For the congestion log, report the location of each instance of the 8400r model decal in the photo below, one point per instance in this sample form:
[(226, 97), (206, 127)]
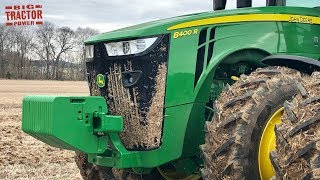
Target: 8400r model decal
[(249, 18), (185, 33)]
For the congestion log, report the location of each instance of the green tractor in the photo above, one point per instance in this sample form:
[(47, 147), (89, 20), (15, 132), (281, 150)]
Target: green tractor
[(228, 94)]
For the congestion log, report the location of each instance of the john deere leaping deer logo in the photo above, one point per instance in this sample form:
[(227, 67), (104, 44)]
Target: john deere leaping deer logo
[(100, 80)]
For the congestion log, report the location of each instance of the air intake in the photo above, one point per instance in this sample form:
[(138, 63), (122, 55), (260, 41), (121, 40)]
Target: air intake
[(205, 51)]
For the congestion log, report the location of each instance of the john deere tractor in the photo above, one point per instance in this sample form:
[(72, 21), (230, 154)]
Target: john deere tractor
[(227, 94)]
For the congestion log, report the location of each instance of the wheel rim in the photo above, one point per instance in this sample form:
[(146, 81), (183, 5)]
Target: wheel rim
[(171, 175), (268, 144)]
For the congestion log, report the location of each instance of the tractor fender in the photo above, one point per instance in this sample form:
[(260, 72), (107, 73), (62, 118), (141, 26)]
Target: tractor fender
[(299, 63)]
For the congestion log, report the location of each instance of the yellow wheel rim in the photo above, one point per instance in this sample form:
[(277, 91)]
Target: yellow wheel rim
[(171, 175), (268, 144)]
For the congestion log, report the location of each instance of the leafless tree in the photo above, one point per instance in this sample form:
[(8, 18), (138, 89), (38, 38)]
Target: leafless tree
[(23, 42), (43, 52), (82, 34), (45, 36), (4, 33), (64, 42)]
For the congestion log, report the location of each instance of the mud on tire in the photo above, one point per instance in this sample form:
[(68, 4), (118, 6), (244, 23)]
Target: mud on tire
[(298, 145), (90, 171), (233, 135)]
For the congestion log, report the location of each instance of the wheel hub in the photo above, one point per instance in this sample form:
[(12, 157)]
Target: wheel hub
[(268, 144)]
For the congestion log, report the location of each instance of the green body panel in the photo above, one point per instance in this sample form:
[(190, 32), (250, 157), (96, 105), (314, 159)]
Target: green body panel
[(237, 47), (265, 39)]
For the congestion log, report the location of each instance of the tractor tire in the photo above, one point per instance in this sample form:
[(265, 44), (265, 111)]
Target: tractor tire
[(243, 109), (90, 171), (298, 146)]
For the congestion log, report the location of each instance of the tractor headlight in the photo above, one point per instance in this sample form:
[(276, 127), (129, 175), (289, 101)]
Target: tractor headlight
[(129, 47), (89, 51)]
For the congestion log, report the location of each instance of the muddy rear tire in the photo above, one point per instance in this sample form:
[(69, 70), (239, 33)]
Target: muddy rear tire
[(233, 135), (298, 145)]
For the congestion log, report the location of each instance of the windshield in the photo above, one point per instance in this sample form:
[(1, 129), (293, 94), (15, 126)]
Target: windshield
[(303, 3)]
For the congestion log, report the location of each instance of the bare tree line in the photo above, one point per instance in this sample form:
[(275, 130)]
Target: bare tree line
[(43, 52)]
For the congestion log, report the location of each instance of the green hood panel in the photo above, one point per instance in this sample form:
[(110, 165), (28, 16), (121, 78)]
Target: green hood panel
[(161, 26)]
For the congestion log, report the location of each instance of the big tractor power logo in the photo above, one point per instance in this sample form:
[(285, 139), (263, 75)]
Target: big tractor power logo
[(20, 15)]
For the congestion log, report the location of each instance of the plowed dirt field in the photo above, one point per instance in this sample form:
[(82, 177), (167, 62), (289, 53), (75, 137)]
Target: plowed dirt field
[(22, 156)]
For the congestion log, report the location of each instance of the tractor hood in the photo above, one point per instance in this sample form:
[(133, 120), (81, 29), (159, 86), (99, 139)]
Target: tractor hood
[(167, 25)]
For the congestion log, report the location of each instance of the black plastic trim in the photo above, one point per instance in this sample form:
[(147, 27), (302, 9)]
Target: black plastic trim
[(300, 63), (131, 78), (211, 45), (199, 64)]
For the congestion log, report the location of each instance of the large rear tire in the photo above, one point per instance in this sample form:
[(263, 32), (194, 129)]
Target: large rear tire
[(233, 136), (298, 145)]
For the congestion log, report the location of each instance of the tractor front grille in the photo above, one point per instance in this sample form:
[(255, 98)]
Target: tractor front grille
[(140, 105)]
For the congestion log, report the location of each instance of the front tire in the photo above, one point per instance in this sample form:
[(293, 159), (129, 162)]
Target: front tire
[(298, 146), (233, 136), (91, 171)]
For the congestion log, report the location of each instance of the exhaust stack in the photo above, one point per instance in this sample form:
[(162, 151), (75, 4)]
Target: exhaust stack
[(221, 4), (276, 2), (244, 3)]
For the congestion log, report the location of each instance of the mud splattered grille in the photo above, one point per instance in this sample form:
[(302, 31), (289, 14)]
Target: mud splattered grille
[(142, 104)]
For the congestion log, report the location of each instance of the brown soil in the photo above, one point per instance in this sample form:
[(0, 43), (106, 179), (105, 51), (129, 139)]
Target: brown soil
[(22, 156)]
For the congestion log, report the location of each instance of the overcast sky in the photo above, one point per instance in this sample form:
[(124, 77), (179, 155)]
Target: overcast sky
[(106, 15)]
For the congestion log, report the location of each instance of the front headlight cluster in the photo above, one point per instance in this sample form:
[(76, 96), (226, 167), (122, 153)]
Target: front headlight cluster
[(129, 47)]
